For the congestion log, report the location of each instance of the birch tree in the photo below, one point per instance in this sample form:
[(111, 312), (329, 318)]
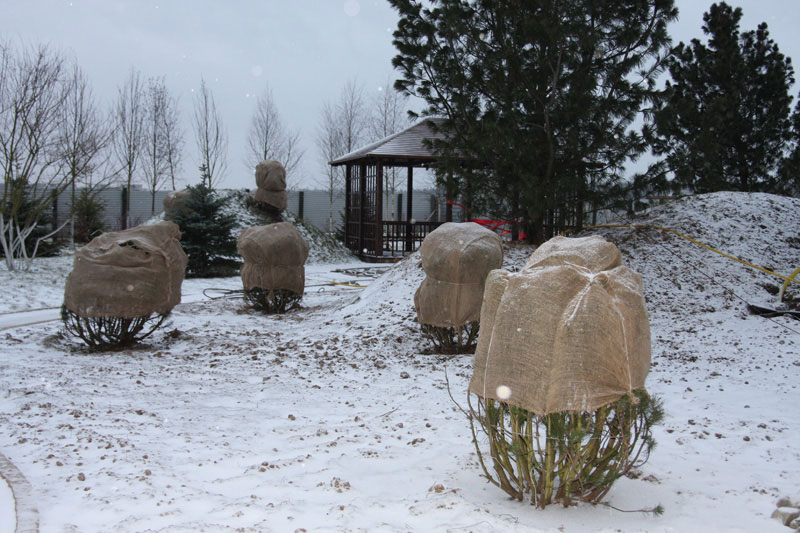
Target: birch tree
[(211, 137), (83, 138), (155, 150), (129, 133), (32, 93), (342, 128), (268, 137), (389, 115), (173, 139)]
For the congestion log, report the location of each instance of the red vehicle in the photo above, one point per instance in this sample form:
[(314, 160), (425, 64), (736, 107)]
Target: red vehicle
[(501, 227)]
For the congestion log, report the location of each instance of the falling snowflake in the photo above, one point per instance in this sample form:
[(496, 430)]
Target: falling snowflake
[(503, 392)]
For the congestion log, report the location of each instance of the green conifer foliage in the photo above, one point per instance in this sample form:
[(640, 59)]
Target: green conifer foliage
[(563, 457), (540, 95), (206, 233), (789, 181), (88, 213), (724, 122)]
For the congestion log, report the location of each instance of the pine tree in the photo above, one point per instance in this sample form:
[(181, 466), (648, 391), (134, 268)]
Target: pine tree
[(789, 174), (539, 95), (724, 121), (206, 232), (88, 213)]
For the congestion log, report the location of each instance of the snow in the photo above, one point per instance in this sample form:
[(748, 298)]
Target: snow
[(8, 520), (228, 420)]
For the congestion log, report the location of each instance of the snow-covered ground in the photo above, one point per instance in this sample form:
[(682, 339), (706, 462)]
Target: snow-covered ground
[(335, 418), (8, 520)]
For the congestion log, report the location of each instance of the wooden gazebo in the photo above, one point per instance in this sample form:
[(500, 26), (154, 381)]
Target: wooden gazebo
[(365, 231)]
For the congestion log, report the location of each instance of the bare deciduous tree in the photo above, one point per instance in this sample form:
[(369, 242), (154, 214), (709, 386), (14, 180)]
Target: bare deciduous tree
[(173, 138), (342, 128), (211, 138), (329, 144), (32, 91), (129, 133), (155, 149), (389, 115), (352, 115), (83, 137), (269, 139)]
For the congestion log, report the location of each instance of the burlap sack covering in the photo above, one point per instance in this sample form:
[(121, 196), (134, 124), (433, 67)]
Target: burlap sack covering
[(176, 200), (127, 274), (456, 259), (271, 183), (274, 257), (567, 333)]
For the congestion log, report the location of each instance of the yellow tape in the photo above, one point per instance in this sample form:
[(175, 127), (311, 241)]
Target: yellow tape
[(641, 226), (786, 284), (347, 284)]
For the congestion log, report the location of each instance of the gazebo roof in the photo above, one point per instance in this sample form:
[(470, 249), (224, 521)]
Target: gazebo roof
[(403, 148)]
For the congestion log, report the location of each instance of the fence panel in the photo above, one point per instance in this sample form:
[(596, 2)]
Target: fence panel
[(316, 207)]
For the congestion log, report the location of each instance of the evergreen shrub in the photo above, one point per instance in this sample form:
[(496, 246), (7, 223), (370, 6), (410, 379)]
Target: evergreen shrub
[(206, 234), (564, 457)]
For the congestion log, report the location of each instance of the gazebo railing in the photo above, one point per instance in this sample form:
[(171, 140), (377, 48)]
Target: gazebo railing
[(404, 237)]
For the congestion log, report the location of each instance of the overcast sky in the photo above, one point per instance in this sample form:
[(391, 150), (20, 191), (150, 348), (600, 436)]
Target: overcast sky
[(304, 50)]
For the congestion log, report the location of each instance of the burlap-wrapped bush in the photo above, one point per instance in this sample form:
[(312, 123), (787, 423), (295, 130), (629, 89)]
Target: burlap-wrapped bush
[(569, 332), (176, 201), (559, 372), (456, 259), (121, 280), (271, 183), (274, 264)]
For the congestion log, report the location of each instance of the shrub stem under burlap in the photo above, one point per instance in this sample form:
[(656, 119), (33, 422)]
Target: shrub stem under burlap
[(452, 340), (104, 333), (564, 457), (276, 301)]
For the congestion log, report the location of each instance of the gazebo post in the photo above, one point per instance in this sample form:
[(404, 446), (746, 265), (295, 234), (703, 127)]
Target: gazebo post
[(379, 210), (409, 203), (362, 192), (347, 203), (362, 224)]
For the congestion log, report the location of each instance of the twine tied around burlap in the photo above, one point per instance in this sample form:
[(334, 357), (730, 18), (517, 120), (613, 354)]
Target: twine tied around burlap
[(569, 332), (127, 274), (271, 183), (456, 258), (274, 257)]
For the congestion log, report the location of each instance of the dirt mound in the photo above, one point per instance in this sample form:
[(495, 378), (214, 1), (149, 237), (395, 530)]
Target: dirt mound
[(683, 278)]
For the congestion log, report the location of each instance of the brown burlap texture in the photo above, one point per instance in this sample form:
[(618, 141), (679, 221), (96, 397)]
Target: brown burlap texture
[(456, 259), (127, 274), (176, 200), (274, 257), (567, 333), (271, 183)]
